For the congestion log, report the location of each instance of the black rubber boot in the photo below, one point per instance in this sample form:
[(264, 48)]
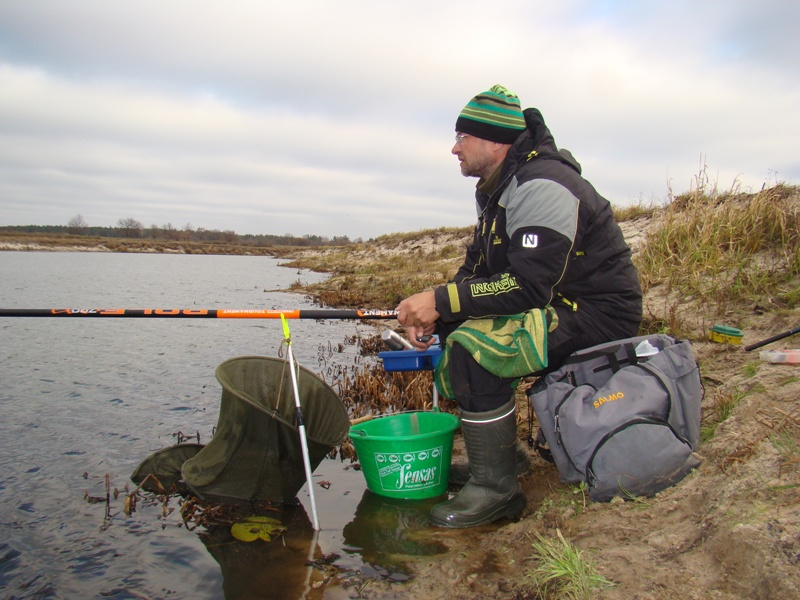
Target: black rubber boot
[(459, 472), (492, 491)]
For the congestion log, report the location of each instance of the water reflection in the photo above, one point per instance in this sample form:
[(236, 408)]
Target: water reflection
[(388, 532), (275, 569)]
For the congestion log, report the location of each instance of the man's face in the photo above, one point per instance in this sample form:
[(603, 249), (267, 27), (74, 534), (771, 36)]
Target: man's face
[(475, 155)]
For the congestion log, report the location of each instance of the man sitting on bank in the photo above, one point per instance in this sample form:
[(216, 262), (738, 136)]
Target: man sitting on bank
[(546, 254)]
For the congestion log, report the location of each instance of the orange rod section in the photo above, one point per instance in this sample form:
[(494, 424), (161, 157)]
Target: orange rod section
[(257, 313)]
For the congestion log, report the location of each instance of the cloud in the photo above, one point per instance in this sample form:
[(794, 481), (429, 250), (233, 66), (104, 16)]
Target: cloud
[(337, 118)]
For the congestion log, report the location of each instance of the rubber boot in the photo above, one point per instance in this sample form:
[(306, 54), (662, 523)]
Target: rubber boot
[(492, 491), (459, 472)]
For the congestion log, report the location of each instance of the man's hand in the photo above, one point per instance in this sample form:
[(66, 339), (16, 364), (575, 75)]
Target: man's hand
[(420, 338), (418, 314)]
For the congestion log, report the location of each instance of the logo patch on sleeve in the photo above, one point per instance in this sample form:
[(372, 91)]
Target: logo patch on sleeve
[(505, 284), (530, 240)]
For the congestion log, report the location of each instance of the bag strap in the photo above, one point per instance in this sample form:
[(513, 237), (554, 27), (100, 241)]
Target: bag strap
[(610, 354), (542, 447)]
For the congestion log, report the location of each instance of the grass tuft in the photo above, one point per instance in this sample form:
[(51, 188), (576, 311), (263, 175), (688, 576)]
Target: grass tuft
[(718, 409), (561, 570), (632, 212)]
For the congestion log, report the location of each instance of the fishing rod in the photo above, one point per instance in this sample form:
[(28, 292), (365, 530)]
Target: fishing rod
[(200, 313), (774, 338)]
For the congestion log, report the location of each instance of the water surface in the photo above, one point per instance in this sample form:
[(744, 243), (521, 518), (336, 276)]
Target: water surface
[(84, 401)]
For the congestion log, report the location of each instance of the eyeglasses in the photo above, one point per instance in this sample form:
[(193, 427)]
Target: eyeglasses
[(460, 138)]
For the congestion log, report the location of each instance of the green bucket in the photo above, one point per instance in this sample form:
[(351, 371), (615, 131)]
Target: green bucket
[(406, 455)]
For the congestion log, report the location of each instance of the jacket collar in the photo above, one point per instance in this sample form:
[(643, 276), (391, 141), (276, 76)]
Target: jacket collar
[(536, 142)]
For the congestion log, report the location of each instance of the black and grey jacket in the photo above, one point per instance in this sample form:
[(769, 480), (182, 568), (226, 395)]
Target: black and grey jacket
[(544, 237)]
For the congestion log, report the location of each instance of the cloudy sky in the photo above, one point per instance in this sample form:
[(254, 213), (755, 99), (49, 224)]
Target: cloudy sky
[(337, 117)]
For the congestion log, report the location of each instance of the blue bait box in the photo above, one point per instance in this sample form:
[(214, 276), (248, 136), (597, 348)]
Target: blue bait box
[(411, 360)]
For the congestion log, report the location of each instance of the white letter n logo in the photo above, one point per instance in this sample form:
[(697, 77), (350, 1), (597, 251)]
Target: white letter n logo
[(530, 240)]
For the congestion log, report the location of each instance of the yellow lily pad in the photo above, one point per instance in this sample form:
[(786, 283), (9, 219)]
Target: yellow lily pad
[(265, 528)]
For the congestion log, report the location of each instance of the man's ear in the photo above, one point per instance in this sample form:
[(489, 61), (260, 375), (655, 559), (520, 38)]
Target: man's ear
[(500, 149)]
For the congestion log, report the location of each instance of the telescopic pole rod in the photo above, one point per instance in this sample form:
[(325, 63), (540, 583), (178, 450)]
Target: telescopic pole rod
[(199, 313), (301, 426), (774, 338)]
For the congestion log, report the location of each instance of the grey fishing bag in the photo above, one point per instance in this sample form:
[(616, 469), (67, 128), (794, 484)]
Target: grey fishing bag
[(623, 417)]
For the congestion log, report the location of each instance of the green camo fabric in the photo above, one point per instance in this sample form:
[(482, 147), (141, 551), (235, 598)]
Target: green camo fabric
[(509, 347)]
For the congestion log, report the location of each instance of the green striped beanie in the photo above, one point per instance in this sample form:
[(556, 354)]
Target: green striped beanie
[(494, 115)]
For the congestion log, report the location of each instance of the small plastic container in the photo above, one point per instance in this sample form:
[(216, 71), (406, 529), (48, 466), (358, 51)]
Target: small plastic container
[(411, 360), (781, 356), (722, 334)]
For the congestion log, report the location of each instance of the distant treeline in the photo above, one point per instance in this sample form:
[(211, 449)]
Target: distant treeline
[(130, 229)]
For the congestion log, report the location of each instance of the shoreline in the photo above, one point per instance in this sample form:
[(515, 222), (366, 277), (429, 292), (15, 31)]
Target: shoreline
[(123, 246)]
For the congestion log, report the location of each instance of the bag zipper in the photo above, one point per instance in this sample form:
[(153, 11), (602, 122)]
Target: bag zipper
[(557, 429), (589, 474)]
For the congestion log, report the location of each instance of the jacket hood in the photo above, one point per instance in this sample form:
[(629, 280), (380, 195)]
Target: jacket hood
[(537, 138)]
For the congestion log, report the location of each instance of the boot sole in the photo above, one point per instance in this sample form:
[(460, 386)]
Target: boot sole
[(510, 511)]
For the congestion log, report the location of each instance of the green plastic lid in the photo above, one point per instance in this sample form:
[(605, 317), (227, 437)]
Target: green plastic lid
[(725, 330)]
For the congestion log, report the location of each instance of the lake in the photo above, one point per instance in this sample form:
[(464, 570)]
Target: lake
[(84, 401)]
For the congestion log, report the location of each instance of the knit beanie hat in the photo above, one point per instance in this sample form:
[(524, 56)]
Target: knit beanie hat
[(494, 115)]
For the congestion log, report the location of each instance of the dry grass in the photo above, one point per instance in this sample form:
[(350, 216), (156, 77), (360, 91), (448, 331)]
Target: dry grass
[(728, 249), (717, 409), (381, 272), (634, 211)]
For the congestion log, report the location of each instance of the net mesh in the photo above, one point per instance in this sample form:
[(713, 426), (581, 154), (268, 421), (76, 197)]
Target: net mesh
[(255, 454)]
